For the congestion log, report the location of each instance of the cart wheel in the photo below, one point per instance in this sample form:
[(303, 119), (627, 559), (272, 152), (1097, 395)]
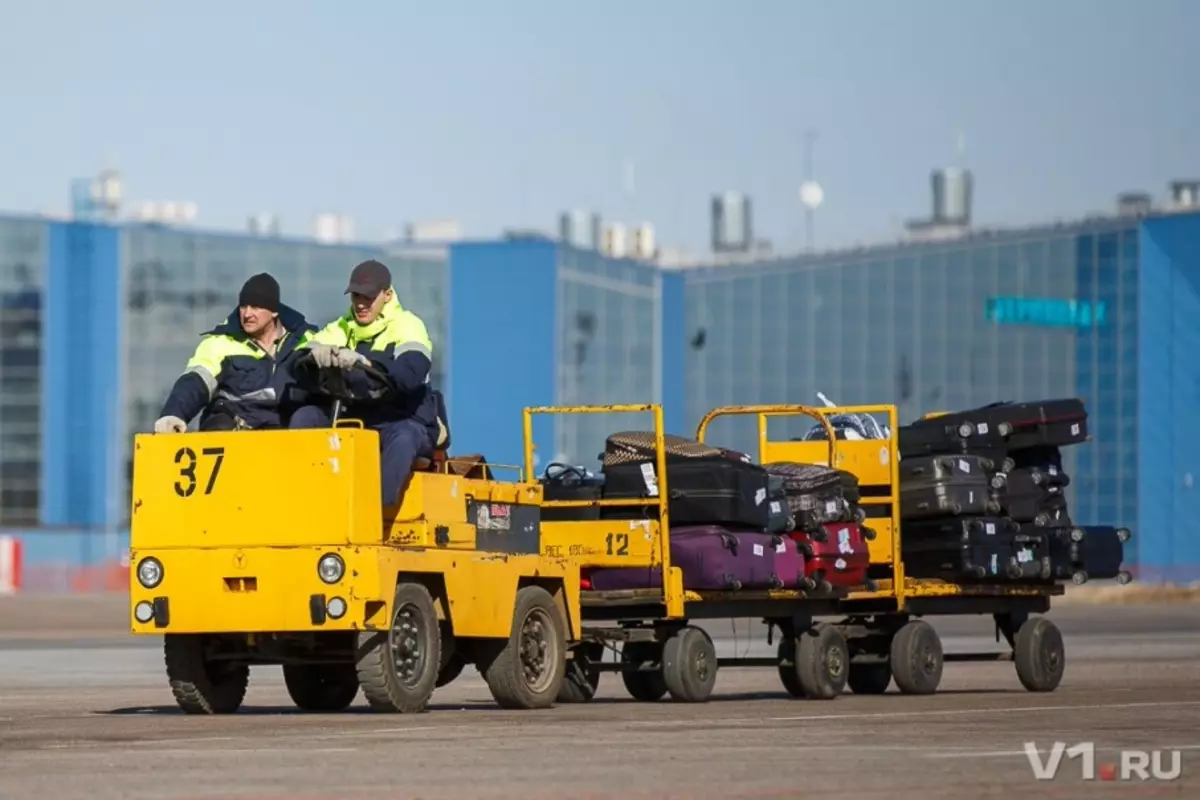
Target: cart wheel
[(528, 671), (822, 661), (871, 678), (689, 665), (917, 658), (787, 667), (321, 687), (582, 678), (1039, 656), (202, 685), (398, 669), (645, 685)]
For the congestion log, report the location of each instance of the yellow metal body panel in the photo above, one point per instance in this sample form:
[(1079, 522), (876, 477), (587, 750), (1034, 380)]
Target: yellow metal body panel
[(267, 589), (224, 489), (240, 548)]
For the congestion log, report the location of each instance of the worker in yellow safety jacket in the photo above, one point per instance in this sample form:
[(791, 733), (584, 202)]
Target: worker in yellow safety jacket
[(400, 403), (239, 375)]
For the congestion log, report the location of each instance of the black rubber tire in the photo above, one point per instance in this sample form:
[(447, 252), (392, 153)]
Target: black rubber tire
[(582, 678), (504, 672), (1039, 655), (917, 658), (378, 675), (786, 653), (689, 665), (452, 662), (870, 678), (646, 686), (201, 686), (822, 661), (321, 687)]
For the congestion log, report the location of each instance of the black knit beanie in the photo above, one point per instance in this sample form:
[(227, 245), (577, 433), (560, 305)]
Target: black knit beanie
[(260, 291)]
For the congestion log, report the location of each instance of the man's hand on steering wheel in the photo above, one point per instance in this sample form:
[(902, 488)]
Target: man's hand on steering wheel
[(330, 356)]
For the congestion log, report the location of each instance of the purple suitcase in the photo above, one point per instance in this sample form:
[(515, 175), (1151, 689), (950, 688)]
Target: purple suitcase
[(715, 558)]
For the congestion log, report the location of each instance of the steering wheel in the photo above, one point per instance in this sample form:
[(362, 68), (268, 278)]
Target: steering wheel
[(331, 381)]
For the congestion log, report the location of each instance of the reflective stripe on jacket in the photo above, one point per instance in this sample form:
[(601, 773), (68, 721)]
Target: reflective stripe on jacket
[(229, 372), (398, 343)]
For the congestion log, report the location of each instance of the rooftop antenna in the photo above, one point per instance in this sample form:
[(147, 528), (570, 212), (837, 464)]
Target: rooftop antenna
[(811, 193)]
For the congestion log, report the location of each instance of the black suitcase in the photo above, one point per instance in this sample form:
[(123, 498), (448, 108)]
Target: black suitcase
[(1043, 458), (1058, 422), (1045, 509), (990, 561), (713, 490), (950, 467), (570, 483), (925, 438), (958, 493), (1028, 480), (1000, 531), (1089, 552)]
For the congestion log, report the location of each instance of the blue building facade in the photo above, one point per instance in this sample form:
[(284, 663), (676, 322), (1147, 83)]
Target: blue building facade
[(98, 321)]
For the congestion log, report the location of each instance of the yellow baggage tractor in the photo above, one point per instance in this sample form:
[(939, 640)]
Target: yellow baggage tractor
[(863, 639), (270, 548)]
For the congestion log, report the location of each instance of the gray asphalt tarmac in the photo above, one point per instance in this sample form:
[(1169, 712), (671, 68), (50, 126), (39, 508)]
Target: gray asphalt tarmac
[(95, 719)]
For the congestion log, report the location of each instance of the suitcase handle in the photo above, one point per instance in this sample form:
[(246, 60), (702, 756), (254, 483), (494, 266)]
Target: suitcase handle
[(567, 470)]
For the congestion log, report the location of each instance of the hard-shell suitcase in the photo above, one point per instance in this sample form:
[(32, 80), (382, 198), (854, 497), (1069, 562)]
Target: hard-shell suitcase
[(1088, 552), (713, 490), (814, 494), (960, 467), (567, 482), (1030, 480), (959, 531), (960, 495), (933, 436), (714, 558), (840, 559), (1058, 422), (1019, 561), (1043, 508)]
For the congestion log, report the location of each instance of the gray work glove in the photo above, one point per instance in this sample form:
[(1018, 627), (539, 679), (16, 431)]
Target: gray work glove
[(323, 354), (345, 358), (169, 425)]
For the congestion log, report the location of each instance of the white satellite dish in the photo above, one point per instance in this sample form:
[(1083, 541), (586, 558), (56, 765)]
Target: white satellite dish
[(811, 195)]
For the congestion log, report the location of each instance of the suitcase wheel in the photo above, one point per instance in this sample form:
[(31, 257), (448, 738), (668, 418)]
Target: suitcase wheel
[(808, 584), (1009, 465), (868, 534), (1079, 577), (999, 480), (1077, 534), (1124, 577), (1004, 429), (806, 550), (1124, 535), (965, 430)]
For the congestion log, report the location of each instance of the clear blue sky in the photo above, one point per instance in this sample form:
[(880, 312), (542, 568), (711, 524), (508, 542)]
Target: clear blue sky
[(503, 113)]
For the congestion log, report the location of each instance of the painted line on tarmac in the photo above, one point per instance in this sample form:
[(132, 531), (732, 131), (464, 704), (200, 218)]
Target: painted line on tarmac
[(960, 712), (1044, 751)]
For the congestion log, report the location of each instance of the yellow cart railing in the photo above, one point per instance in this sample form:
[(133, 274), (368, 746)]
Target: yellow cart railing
[(619, 548), (874, 461)]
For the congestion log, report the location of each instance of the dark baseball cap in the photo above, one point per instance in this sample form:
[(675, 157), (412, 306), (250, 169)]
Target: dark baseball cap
[(369, 278)]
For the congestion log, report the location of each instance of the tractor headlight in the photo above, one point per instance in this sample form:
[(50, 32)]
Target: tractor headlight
[(331, 568), (149, 572)]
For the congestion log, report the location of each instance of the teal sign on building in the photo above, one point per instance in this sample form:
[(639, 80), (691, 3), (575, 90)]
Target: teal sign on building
[(1059, 312)]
